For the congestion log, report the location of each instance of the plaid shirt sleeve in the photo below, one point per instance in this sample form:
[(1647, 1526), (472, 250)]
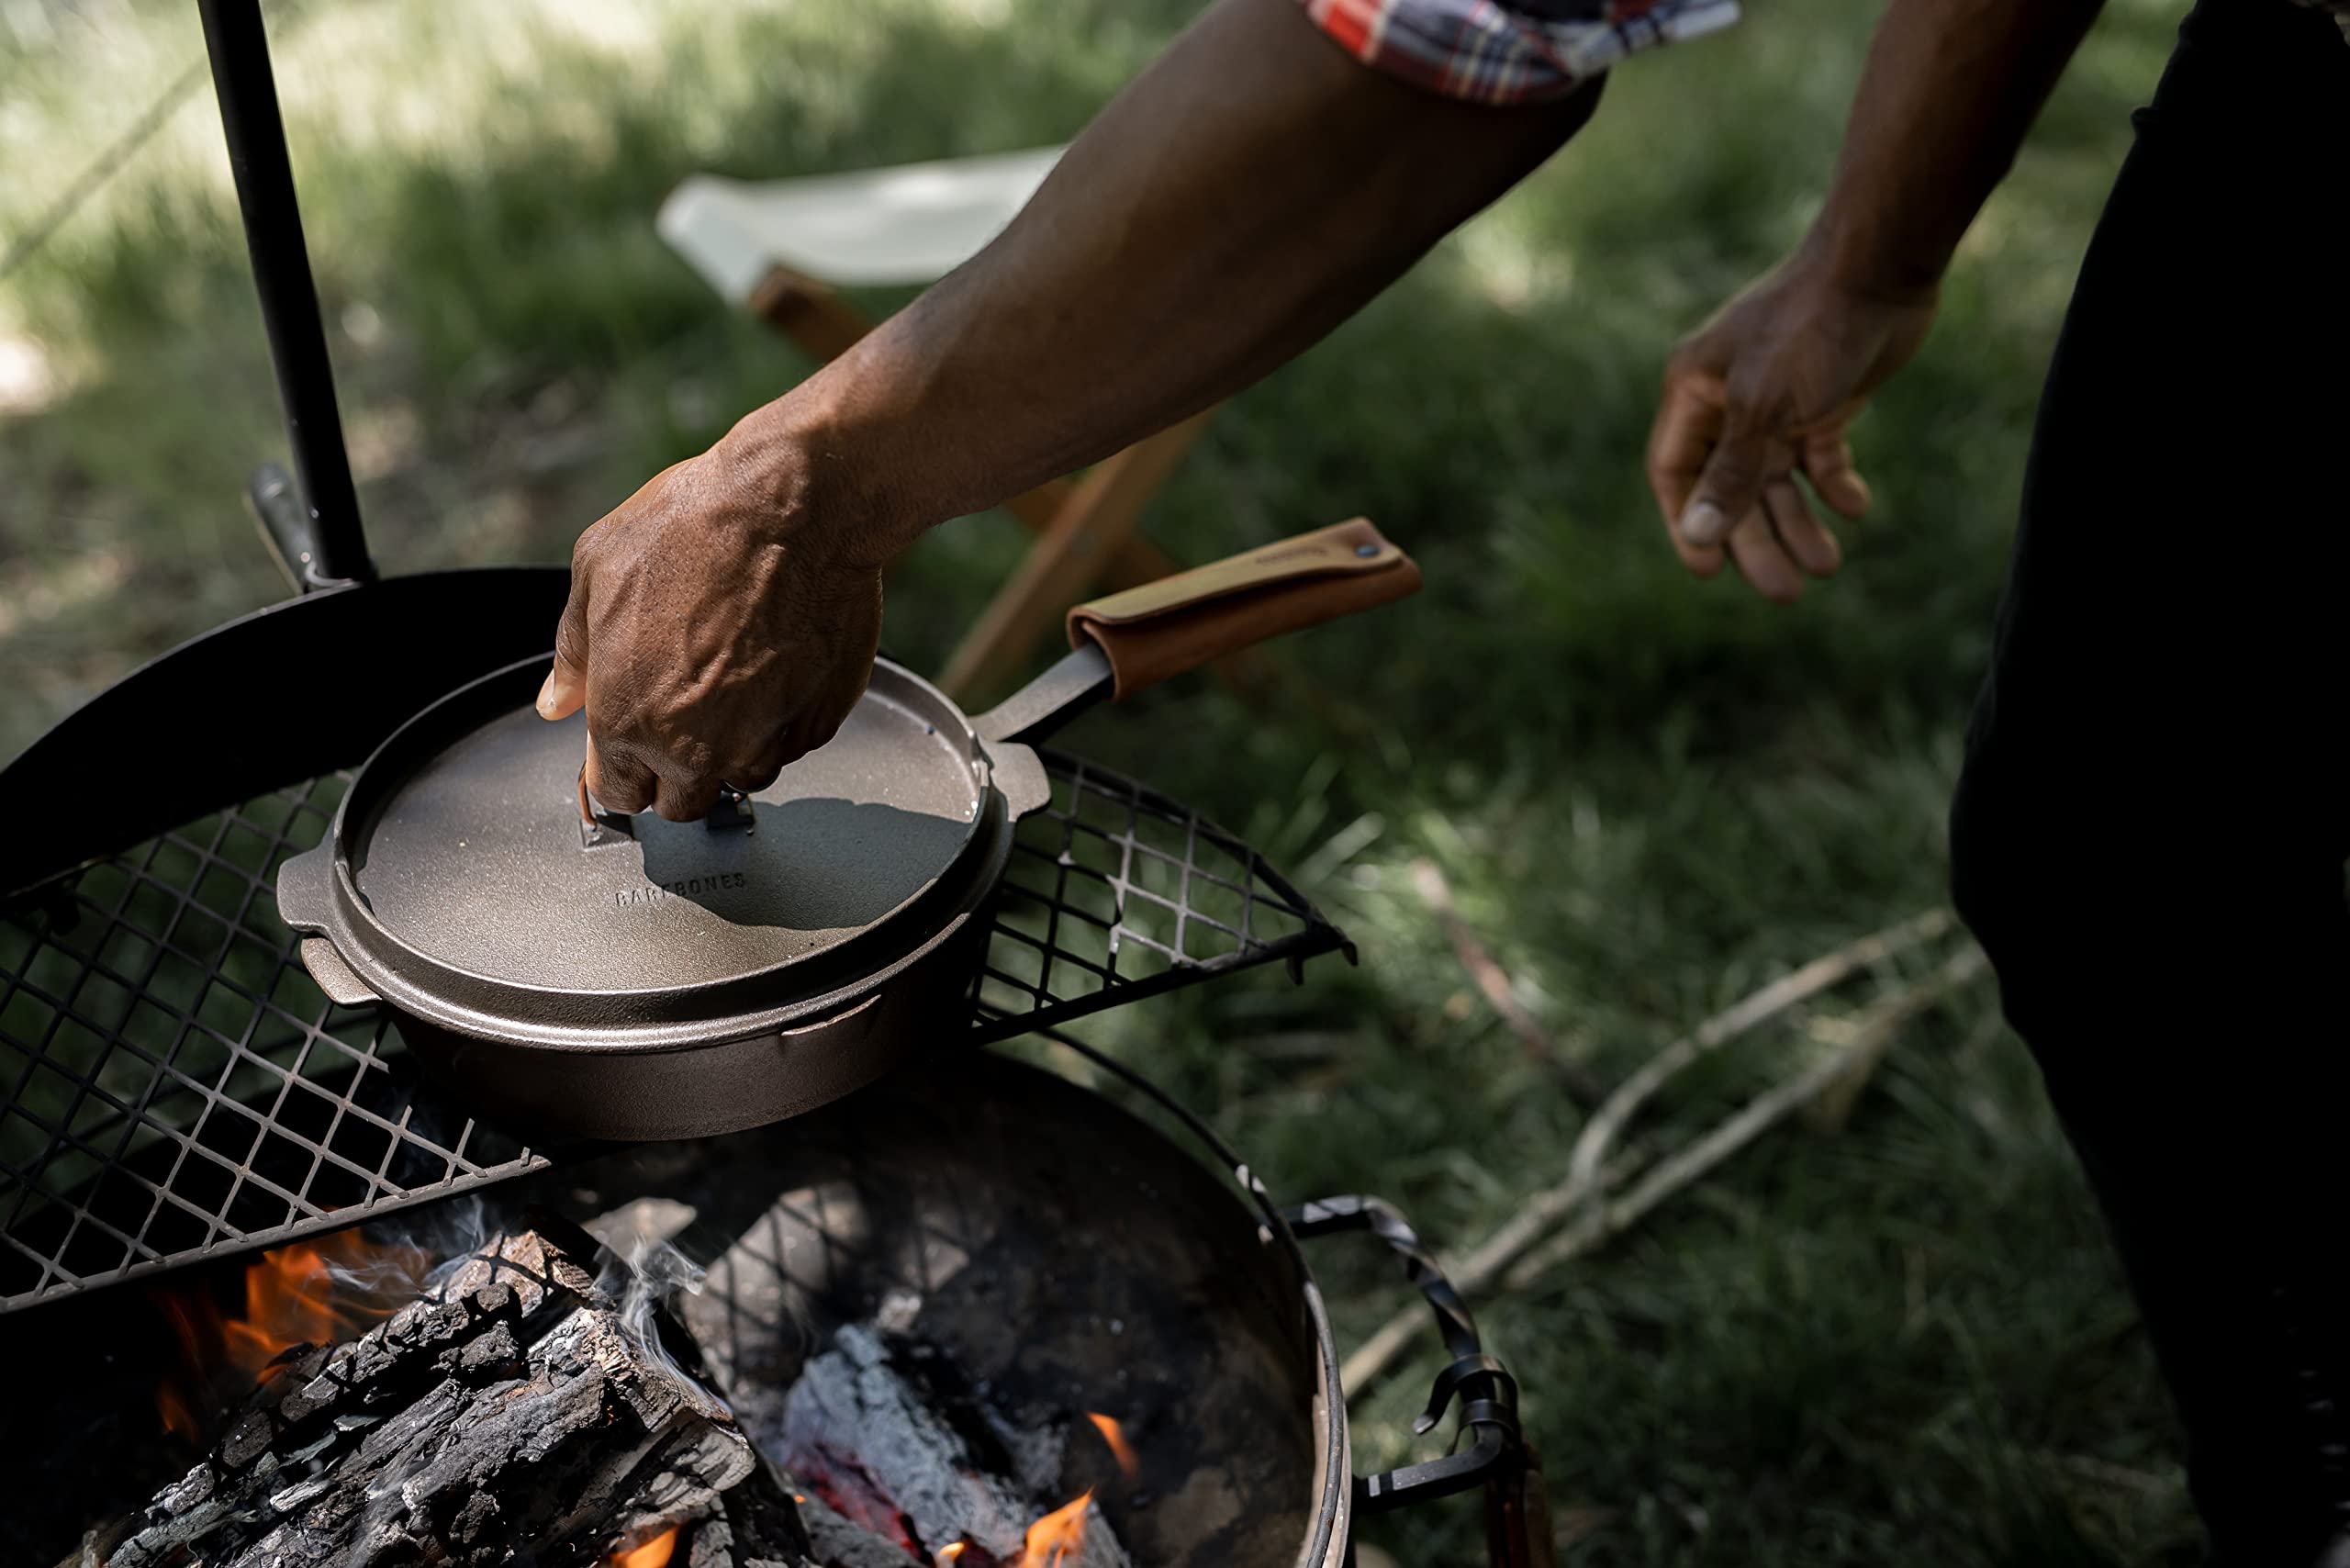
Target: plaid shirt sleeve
[(1508, 51)]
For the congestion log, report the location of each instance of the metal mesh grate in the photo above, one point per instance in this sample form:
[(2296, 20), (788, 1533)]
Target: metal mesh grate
[(178, 1088), (1115, 892), (177, 1085)]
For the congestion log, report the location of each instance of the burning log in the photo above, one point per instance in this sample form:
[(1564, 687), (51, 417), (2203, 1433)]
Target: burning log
[(517, 1408), (524, 1407), (871, 1441)]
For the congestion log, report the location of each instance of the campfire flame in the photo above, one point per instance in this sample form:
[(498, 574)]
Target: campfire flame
[(654, 1553), (170, 1402), (1120, 1449), (313, 1293), (1058, 1536)]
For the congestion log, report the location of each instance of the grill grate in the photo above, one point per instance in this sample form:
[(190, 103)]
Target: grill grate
[(179, 1089), (1116, 892)]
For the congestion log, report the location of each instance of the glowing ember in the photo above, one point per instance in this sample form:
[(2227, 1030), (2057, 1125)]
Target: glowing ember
[(654, 1553), (313, 1293), (1058, 1536), (1120, 1449)]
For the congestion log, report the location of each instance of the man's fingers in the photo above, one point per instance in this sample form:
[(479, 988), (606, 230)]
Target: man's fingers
[(1763, 560), (1730, 488), (829, 709), (566, 691), (1688, 422), (686, 802), (1828, 462), (835, 696), (751, 778), (619, 781), (1812, 547)]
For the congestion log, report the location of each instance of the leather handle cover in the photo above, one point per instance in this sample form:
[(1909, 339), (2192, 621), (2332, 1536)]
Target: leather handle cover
[(1178, 623)]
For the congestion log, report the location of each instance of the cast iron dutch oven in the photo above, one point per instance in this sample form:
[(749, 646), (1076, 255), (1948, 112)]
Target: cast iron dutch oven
[(636, 978)]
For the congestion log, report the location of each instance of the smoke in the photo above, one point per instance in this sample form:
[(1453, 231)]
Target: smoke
[(453, 1231), (646, 1286)]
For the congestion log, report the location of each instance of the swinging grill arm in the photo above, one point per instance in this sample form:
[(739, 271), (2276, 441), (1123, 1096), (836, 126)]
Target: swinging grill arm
[(316, 529)]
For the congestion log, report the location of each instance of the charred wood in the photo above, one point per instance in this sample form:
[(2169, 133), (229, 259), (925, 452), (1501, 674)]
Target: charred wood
[(514, 1407)]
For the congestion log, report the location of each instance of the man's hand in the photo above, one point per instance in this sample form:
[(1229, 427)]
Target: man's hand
[(1769, 387), (1765, 390), (716, 632)]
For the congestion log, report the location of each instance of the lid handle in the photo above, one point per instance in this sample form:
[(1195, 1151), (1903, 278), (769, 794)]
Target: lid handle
[(732, 813), (599, 827)]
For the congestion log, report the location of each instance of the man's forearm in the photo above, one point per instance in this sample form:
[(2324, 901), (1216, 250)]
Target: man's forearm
[(1950, 90), (1235, 203)]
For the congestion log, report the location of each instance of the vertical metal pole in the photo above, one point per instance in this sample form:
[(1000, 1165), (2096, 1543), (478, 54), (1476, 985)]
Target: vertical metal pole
[(239, 47)]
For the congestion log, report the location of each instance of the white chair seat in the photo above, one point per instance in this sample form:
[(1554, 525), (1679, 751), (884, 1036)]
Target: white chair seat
[(912, 224)]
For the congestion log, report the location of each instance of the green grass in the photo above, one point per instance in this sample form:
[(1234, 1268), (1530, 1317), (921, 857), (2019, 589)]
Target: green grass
[(1904, 1340)]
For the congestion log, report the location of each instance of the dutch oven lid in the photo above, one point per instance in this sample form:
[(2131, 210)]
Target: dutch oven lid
[(459, 860)]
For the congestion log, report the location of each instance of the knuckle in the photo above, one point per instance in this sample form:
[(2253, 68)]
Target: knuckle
[(621, 789), (1692, 367), (1731, 481), (683, 808), (687, 797), (751, 774), (691, 761), (1755, 398)]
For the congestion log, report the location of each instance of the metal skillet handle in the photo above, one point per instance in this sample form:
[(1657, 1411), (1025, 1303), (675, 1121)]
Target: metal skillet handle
[(1137, 638), (1517, 1519)]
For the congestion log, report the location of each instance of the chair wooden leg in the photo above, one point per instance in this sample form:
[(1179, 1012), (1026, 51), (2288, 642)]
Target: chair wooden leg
[(823, 323), (1131, 564), (810, 313), (1099, 518)]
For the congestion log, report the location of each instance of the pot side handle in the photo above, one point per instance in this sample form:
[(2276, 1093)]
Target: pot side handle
[(1178, 623), (1020, 773), (304, 891), (1497, 1457), (304, 896), (344, 988)]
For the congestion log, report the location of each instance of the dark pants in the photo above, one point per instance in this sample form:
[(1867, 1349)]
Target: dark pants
[(2151, 833)]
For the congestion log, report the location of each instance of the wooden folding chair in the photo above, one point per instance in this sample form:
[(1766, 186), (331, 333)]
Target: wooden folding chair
[(783, 251)]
